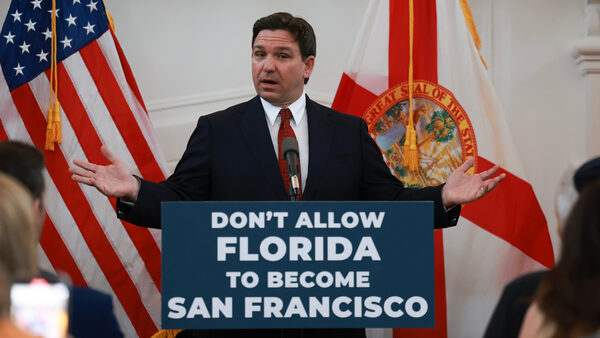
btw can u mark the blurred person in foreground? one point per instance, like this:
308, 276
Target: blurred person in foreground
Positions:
18, 253
90, 312
517, 296
7, 327
567, 302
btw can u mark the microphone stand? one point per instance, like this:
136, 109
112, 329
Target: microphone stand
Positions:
294, 184
289, 149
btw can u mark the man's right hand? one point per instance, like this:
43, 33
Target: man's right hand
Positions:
113, 180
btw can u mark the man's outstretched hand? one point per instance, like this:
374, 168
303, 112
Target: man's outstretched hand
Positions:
113, 180
463, 188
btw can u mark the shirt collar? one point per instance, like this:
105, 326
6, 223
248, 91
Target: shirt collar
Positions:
297, 108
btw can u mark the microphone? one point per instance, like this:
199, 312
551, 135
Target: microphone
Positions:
289, 149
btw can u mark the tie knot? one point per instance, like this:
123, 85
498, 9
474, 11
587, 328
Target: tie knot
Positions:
286, 114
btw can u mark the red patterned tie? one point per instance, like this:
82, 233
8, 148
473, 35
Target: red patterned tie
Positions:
285, 130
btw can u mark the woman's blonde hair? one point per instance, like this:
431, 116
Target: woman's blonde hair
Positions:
18, 239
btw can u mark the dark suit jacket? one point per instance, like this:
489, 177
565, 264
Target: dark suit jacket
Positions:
230, 157
510, 311
92, 315
90, 311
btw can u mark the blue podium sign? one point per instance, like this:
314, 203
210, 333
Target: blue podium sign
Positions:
297, 265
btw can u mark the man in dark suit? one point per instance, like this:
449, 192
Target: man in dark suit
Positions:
230, 157
233, 154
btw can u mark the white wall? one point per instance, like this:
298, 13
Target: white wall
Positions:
528, 46
193, 57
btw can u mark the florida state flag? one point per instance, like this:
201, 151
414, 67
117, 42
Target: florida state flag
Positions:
455, 114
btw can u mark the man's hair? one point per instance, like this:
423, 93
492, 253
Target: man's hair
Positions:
18, 233
300, 29
25, 163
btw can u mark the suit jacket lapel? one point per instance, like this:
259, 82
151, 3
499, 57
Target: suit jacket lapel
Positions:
253, 125
320, 136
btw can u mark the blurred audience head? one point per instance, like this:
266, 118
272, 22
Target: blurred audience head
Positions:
18, 233
587, 173
569, 295
570, 186
25, 163
565, 197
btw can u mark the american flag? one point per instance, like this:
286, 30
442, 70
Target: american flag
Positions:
100, 104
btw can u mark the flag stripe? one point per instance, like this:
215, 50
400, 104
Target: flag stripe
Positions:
352, 98
3, 135
127, 70
101, 119
370, 70
461, 71
517, 217
90, 143
115, 102
105, 127
60, 257
67, 228
424, 42
424, 56
108, 48
43, 261
101, 249
440, 284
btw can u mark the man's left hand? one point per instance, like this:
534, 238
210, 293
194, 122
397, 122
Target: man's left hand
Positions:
463, 188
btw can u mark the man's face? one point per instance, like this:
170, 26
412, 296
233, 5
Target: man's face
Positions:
278, 70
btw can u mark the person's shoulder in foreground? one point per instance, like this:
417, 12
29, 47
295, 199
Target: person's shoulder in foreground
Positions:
92, 314
511, 308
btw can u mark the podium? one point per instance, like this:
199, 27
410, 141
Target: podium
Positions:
245, 265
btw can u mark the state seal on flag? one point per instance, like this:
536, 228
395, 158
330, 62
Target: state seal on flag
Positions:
445, 136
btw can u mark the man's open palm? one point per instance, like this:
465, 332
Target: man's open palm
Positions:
113, 180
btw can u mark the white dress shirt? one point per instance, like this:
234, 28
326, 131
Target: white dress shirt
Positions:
299, 124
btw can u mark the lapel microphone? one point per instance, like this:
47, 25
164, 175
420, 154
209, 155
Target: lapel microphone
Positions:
289, 148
